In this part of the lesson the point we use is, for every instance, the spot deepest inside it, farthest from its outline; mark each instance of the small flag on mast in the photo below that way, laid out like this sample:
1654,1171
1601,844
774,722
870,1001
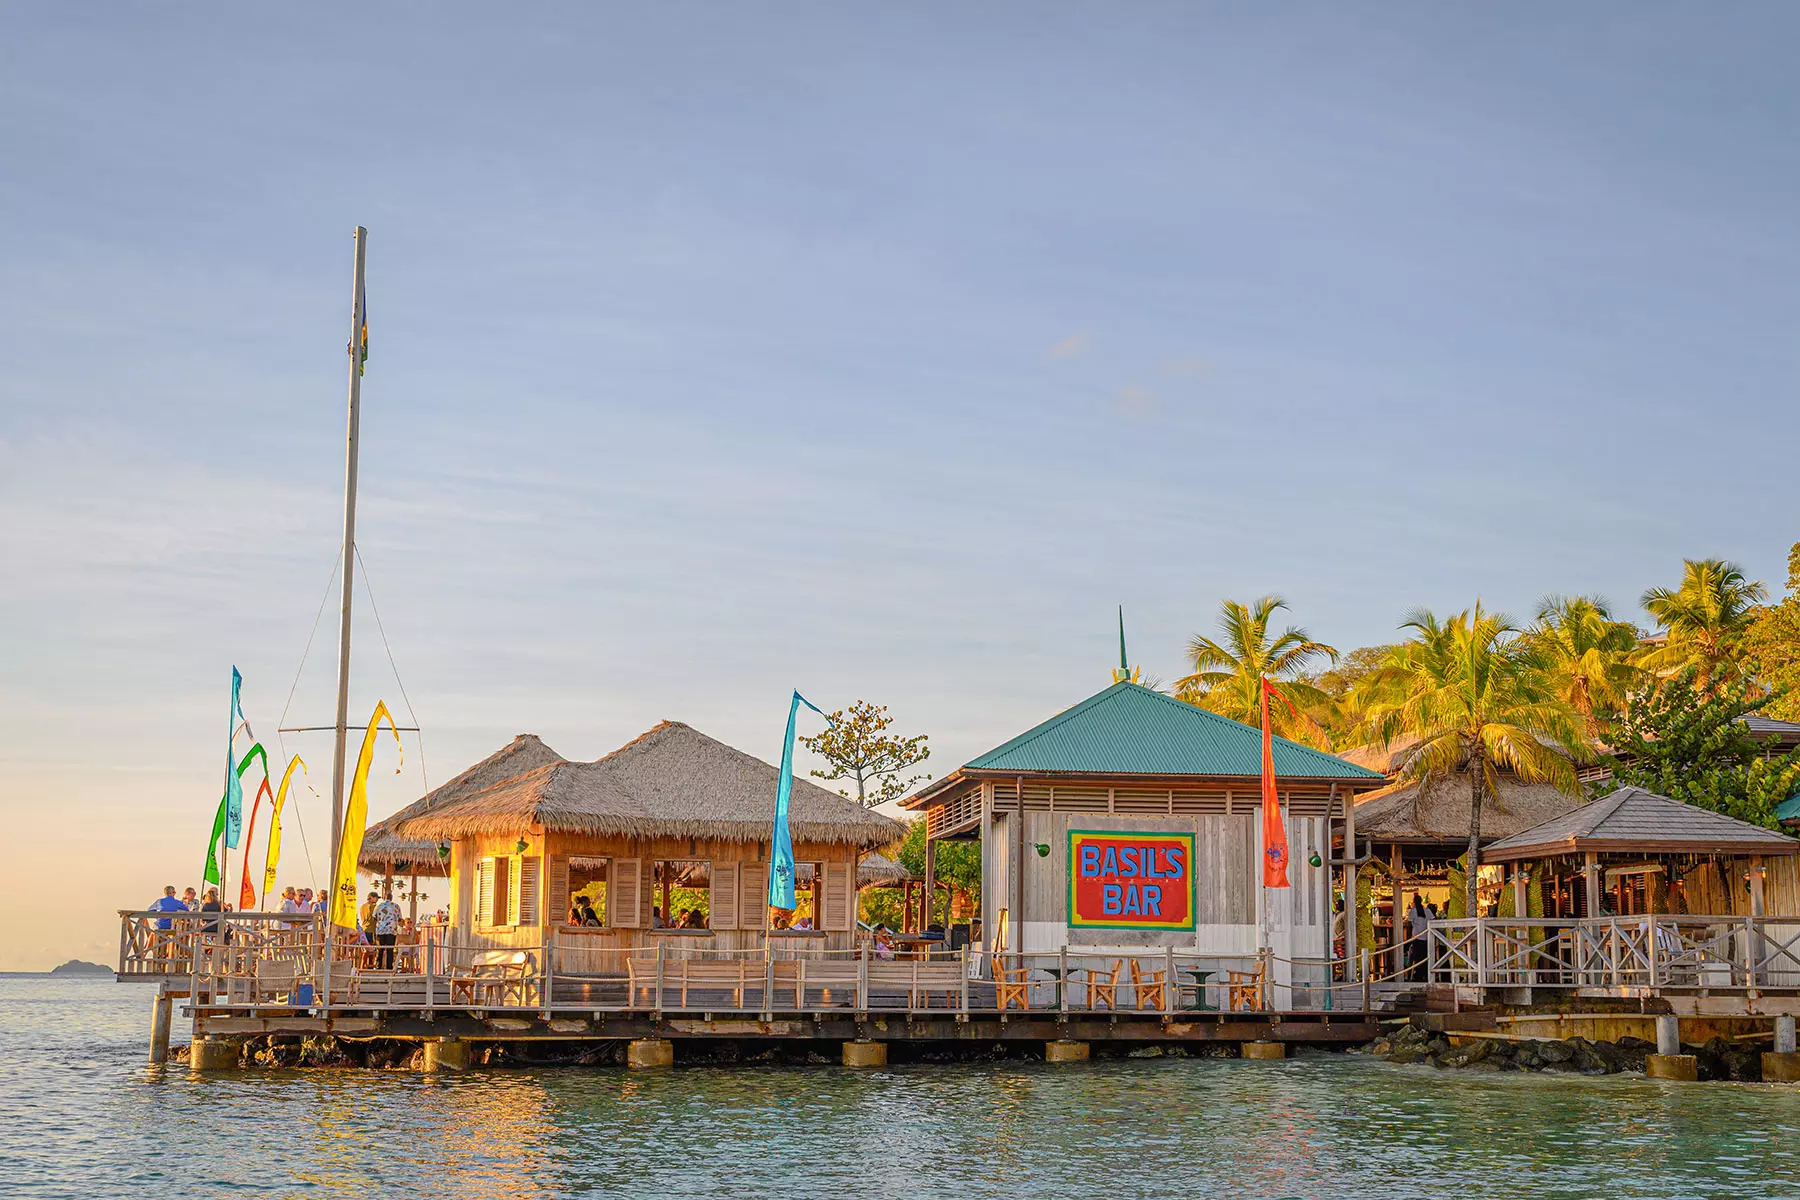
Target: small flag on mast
781,846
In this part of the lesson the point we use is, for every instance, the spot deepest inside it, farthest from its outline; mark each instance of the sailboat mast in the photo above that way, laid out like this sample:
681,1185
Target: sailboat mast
341,728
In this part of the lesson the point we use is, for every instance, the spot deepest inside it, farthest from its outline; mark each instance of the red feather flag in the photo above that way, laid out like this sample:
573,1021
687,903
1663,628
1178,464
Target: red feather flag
1274,829
246,889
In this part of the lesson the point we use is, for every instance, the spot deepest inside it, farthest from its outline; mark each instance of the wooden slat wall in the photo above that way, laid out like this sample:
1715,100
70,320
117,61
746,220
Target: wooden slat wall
1176,799
1225,862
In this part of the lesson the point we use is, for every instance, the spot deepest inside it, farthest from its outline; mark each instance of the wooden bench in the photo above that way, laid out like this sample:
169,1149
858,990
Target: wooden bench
920,979
680,975
493,975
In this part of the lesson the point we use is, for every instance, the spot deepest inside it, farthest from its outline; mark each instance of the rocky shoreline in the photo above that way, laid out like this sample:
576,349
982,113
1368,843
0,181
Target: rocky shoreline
1718,1059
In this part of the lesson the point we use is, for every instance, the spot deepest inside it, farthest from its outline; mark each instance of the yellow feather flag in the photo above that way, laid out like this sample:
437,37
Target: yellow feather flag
275,827
356,818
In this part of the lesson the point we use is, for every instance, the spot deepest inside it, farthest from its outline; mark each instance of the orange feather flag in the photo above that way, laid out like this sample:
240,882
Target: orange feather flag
1274,829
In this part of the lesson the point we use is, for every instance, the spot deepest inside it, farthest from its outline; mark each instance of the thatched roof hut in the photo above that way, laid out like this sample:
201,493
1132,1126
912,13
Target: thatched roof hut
876,870
673,781
1438,813
384,851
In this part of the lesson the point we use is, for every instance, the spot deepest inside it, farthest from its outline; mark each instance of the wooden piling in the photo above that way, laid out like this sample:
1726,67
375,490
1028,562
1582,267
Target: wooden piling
162,1016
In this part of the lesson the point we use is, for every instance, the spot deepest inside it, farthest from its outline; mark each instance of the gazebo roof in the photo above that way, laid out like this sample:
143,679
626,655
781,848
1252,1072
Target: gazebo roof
1129,729
1634,821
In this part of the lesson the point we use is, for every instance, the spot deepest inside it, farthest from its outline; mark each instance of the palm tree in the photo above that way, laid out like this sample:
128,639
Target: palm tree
1227,677
1704,619
1588,653
1477,697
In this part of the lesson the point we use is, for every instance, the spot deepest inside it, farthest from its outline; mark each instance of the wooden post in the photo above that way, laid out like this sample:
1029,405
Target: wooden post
1365,967
926,905
1351,891
1590,871
1018,869
412,900
660,947
1396,863
1170,991
340,731
162,1015
1062,979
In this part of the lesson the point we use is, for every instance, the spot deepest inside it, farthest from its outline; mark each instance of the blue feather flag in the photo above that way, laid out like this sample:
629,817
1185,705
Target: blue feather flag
781,854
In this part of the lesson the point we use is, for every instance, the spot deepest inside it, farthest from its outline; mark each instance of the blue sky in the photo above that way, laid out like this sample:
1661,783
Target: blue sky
879,351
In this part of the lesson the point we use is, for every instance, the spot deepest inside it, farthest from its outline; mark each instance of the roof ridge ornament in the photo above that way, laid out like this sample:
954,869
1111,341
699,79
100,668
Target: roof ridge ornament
1125,672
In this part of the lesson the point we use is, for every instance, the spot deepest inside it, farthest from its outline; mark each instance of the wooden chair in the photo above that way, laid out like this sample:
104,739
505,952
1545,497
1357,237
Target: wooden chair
1010,984
275,978
1103,986
1244,989
1149,987
492,977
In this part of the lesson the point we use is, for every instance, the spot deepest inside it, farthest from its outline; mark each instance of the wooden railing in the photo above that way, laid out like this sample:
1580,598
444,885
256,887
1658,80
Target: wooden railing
1640,952
274,961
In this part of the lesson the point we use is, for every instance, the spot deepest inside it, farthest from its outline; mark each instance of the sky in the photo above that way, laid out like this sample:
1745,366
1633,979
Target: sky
881,351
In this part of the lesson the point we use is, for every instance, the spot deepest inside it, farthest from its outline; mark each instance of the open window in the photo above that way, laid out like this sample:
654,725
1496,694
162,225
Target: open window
681,894
588,884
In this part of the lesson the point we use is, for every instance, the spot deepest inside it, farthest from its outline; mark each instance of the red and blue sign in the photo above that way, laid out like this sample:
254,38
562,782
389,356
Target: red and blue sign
1126,880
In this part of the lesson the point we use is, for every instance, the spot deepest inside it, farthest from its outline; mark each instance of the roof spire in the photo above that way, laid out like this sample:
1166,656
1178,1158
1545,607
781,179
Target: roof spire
1123,674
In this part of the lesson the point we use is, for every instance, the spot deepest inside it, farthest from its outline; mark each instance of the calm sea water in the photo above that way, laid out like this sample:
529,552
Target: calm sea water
82,1116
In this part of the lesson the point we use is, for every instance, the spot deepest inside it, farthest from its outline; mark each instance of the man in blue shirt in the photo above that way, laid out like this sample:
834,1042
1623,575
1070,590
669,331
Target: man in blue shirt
167,904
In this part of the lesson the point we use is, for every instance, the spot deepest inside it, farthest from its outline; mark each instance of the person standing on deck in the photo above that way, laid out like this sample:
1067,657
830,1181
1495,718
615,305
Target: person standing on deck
366,917
167,903
1417,922
386,923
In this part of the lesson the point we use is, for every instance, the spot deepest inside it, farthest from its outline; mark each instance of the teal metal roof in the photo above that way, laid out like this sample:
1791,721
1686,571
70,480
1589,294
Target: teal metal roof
1789,809
1131,730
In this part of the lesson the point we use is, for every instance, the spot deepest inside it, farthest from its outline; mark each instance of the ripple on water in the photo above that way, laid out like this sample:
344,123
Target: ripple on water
80,1116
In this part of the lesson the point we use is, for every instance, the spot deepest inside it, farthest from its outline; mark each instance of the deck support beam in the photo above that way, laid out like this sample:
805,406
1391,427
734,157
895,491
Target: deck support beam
865,1054
646,1053
213,1054
1782,1065
162,1016
447,1054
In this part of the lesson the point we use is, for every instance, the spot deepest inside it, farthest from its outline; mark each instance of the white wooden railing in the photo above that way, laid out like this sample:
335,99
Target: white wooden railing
1663,952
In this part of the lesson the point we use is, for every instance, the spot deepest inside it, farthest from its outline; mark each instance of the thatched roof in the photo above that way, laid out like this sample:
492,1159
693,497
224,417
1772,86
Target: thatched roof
877,871
384,849
1439,813
674,781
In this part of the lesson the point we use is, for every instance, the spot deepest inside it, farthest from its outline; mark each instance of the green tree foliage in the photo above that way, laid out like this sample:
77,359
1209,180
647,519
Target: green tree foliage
1772,646
1478,698
1226,677
1589,654
958,873
1703,621
857,746
1685,742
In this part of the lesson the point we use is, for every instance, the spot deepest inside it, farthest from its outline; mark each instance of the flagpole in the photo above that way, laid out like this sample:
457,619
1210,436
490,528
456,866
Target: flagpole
341,728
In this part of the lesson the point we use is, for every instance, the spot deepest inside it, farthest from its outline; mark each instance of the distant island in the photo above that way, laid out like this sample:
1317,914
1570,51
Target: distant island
76,966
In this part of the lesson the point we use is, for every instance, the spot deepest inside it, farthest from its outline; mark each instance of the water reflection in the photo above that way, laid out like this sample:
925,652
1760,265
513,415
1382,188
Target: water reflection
81,1116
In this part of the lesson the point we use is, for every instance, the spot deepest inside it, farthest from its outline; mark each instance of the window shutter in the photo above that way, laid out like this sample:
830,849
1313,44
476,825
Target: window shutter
623,910
528,890
753,896
724,898
500,904
559,892
484,893
839,897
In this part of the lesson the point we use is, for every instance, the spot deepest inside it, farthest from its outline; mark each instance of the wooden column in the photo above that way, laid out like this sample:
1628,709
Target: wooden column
926,903
1350,913
1395,866
1018,864
1521,902
1590,871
